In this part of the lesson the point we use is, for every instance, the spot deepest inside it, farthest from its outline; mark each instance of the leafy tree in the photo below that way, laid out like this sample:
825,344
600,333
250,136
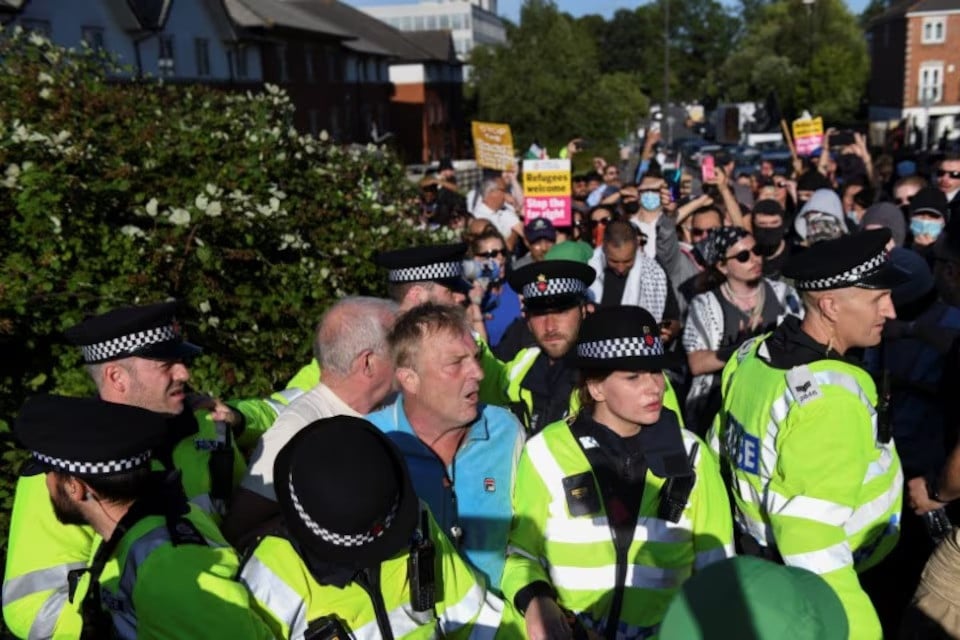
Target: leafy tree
815,57
547,83
873,10
115,192
701,33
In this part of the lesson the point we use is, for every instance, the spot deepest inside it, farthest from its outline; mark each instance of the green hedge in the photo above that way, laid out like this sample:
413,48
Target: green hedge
115,191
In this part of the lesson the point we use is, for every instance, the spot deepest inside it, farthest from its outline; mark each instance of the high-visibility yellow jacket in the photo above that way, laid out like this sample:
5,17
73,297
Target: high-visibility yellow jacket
156,587
576,554
260,413
810,477
41,550
289,598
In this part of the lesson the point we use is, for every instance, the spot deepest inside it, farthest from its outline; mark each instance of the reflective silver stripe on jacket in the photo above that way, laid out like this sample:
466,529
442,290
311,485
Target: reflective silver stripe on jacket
49,579
275,595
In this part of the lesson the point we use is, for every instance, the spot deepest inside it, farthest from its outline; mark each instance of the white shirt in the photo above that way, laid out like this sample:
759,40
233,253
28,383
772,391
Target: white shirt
320,402
504,219
649,229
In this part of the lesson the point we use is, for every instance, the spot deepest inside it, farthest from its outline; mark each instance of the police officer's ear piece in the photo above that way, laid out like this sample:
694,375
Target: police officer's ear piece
86,496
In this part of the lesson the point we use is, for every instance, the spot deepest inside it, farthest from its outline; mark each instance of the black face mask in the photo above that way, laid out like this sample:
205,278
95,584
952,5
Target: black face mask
768,239
631,208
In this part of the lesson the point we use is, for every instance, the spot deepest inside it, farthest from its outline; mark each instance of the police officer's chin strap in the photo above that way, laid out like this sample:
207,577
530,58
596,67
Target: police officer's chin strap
164,497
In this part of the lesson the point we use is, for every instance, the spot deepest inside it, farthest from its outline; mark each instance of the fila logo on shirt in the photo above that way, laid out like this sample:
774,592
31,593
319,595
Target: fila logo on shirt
489,485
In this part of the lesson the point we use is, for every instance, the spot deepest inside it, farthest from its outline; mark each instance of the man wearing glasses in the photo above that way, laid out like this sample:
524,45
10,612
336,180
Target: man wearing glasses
948,179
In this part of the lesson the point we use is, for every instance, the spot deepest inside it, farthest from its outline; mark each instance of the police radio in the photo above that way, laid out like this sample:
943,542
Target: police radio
326,628
420,568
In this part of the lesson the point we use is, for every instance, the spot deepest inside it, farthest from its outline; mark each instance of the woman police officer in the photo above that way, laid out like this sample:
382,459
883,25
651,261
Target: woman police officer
616,507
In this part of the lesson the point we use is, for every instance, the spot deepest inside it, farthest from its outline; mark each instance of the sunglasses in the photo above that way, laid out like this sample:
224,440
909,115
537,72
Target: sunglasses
491,254
742,256
953,174
699,233
780,185
603,221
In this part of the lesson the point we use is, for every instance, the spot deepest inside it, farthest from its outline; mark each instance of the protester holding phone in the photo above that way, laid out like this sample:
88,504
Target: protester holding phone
498,303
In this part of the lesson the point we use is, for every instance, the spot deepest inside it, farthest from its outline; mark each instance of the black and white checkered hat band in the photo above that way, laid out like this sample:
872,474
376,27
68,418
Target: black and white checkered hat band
620,348
100,351
846,278
427,272
94,468
342,539
554,287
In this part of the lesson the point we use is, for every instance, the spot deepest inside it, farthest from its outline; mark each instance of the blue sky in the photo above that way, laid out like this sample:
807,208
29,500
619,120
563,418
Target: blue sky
511,8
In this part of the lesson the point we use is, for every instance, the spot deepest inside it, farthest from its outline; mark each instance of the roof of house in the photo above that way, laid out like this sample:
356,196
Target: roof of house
934,5
900,8
377,37
270,14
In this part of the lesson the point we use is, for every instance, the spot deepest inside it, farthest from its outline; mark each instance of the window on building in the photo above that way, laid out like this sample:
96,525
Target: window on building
37,26
931,83
466,20
350,69
93,37
243,69
431,23
314,115
330,55
934,30
283,74
202,47
444,21
456,21
309,69
418,23
166,62
406,23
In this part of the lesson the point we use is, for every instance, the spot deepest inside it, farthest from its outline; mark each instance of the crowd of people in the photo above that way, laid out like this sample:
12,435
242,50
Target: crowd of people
703,409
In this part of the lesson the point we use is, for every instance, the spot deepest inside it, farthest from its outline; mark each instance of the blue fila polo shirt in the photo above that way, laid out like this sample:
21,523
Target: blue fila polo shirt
471,498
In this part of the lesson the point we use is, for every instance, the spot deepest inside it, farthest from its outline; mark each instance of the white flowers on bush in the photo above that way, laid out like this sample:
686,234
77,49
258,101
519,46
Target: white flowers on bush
44,78
45,93
56,224
11,175
205,306
179,217
293,241
213,209
151,207
132,231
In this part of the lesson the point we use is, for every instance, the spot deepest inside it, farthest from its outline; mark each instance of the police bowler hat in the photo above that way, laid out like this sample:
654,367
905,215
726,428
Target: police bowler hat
345,493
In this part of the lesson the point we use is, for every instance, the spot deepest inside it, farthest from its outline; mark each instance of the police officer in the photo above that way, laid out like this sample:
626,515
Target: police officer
815,476
358,555
136,356
538,384
161,568
615,508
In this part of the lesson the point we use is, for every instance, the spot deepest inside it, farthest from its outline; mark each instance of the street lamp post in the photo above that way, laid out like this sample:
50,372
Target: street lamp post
666,65
809,5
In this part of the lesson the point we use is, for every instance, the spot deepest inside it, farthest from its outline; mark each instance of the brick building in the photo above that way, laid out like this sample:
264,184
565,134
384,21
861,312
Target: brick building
915,70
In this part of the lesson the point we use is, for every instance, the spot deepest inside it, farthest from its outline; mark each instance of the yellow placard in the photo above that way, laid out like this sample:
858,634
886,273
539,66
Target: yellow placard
546,183
808,127
492,145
